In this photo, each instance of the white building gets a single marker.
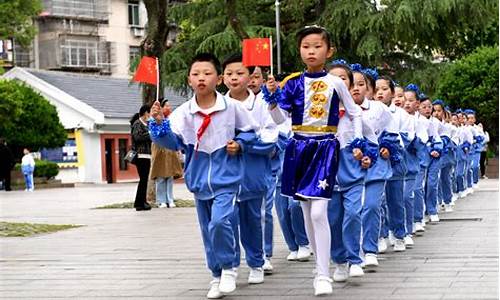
(92, 36)
(95, 110)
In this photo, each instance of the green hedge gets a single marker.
(43, 168)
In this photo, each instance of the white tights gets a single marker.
(318, 232)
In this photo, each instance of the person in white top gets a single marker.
(257, 174)
(431, 192)
(447, 156)
(28, 168)
(394, 189)
(483, 158)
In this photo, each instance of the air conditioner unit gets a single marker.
(138, 32)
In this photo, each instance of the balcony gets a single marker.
(78, 9)
(76, 54)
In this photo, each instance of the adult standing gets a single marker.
(141, 142)
(7, 162)
(165, 165)
(484, 152)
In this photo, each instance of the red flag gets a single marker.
(257, 52)
(147, 71)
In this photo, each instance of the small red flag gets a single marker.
(147, 71)
(257, 52)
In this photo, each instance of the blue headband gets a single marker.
(357, 67)
(340, 61)
(438, 102)
(371, 72)
(413, 87)
(469, 112)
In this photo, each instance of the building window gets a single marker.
(122, 151)
(133, 53)
(80, 53)
(133, 13)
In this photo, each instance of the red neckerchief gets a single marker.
(206, 121)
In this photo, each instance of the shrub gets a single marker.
(43, 168)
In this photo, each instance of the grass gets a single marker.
(178, 203)
(9, 229)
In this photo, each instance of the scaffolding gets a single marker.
(85, 9)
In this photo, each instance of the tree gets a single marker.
(28, 119)
(16, 19)
(398, 35)
(472, 82)
(156, 41)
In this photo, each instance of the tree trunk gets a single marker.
(235, 21)
(154, 44)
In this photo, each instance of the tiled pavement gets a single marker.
(123, 254)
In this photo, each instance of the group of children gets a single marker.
(352, 162)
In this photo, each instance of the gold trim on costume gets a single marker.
(308, 128)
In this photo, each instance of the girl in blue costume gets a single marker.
(314, 98)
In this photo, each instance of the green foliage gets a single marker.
(10, 229)
(472, 82)
(178, 203)
(401, 36)
(16, 19)
(28, 119)
(43, 168)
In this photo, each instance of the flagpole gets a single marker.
(271, 50)
(278, 36)
(157, 80)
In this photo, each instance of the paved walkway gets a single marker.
(124, 254)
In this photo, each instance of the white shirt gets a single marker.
(28, 160)
(228, 115)
(268, 131)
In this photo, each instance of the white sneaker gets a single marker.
(434, 218)
(371, 260)
(227, 281)
(391, 238)
(267, 267)
(162, 205)
(408, 241)
(441, 207)
(425, 220)
(382, 245)
(304, 253)
(256, 276)
(322, 285)
(462, 194)
(292, 256)
(399, 246)
(475, 186)
(171, 205)
(341, 272)
(454, 197)
(448, 208)
(356, 271)
(470, 190)
(419, 229)
(214, 292)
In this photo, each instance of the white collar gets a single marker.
(220, 104)
(249, 102)
(392, 107)
(366, 104)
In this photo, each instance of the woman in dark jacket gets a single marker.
(141, 143)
